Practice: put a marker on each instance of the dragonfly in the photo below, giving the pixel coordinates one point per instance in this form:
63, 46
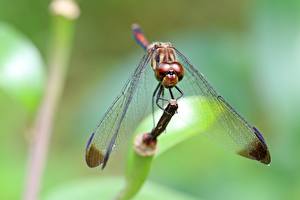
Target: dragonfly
164, 73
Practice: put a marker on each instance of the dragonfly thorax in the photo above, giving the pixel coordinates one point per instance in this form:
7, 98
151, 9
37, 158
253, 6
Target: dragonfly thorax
164, 64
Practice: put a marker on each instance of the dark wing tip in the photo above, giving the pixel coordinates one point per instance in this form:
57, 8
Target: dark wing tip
267, 159
257, 150
93, 156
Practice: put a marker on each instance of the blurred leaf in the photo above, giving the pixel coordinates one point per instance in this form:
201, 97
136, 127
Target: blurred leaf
21, 67
108, 188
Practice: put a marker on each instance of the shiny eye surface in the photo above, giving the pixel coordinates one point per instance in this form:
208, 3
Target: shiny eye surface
178, 68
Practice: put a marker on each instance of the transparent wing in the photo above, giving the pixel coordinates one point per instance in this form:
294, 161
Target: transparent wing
120, 120
230, 128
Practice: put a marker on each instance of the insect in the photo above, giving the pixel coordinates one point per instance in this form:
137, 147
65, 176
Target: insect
174, 78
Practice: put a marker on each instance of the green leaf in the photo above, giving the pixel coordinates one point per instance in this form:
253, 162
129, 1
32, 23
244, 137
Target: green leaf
194, 117
108, 188
22, 73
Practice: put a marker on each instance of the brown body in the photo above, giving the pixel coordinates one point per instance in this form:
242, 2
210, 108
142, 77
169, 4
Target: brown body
166, 68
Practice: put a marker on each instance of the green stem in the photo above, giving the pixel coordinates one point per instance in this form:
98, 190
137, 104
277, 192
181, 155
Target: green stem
60, 49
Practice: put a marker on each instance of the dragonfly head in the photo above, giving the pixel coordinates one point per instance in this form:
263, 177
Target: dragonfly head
169, 74
164, 64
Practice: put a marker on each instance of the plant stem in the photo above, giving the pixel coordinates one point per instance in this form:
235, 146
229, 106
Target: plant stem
63, 31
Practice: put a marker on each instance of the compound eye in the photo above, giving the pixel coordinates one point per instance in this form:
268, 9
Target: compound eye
178, 68
162, 70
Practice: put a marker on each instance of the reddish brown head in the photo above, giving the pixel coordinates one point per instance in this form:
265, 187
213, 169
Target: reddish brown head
165, 66
169, 73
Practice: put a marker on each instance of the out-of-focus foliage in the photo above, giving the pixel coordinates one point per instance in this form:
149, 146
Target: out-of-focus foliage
22, 79
89, 189
21, 67
249, 50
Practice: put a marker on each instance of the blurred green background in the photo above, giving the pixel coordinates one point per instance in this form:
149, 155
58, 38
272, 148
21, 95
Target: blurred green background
249, 50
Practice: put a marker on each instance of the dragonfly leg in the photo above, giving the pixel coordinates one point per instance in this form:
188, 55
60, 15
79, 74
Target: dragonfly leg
180, 91
171, 93
162, 97
158, 97
153, 98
